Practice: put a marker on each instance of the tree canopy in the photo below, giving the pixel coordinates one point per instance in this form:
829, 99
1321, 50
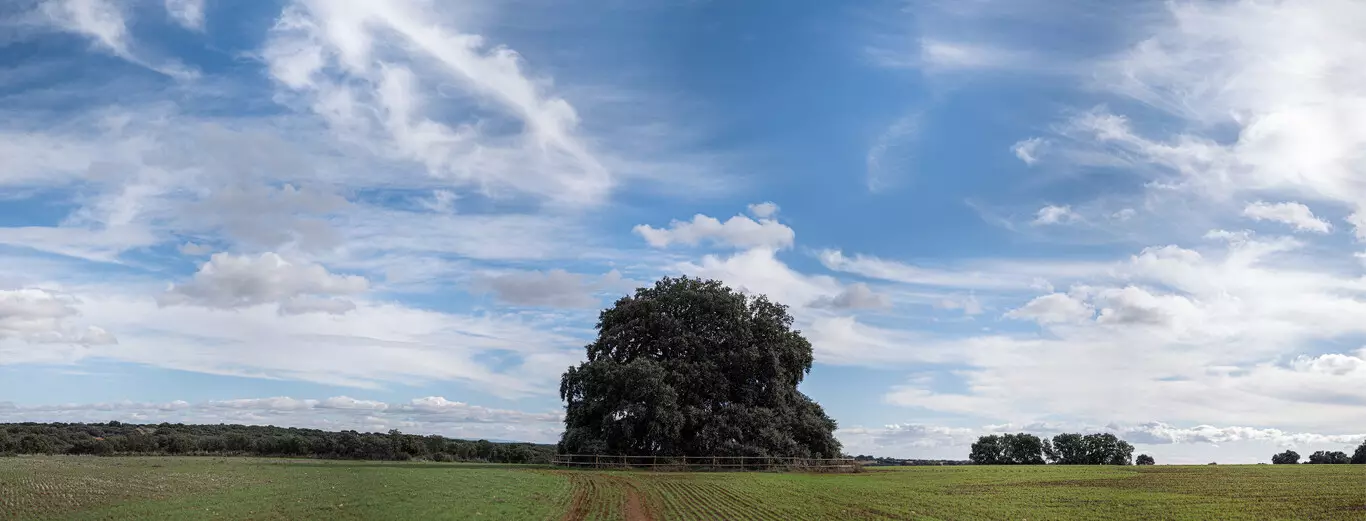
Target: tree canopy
1064, 449
1288, 457
1335, 457
1359, 457
690, 367
1091, 449
1144, 459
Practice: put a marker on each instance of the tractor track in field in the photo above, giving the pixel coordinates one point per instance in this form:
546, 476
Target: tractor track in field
592, 494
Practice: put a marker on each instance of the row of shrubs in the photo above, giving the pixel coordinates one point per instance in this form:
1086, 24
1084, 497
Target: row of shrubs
250, 440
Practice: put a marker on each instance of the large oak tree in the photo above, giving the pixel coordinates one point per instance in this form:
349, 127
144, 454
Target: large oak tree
690, 367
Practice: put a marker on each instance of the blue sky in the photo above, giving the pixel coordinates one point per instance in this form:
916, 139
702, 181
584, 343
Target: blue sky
987, 216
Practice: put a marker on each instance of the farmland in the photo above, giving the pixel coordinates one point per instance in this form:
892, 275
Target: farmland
247, 488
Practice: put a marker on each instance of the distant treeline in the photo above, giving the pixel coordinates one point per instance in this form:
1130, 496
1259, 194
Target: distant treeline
1323, 457
873, 461
115, 438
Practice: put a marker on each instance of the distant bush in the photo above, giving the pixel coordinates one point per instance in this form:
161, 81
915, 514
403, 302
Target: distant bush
1359, 456
1144, 459
1288, 457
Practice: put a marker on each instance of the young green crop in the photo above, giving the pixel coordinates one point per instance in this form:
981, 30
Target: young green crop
245, 488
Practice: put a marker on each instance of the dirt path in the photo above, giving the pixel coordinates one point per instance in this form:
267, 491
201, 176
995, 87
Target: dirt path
635, 506
580, 504
591, 492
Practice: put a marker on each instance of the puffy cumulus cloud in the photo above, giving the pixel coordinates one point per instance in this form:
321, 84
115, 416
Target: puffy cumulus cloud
737, 232
429, 415
42, 316
553, 288
229, 281
338, 59
1333, 364
1294, 214
759, 271
854, 296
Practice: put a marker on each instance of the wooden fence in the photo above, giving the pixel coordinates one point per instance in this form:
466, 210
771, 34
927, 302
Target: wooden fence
706, 463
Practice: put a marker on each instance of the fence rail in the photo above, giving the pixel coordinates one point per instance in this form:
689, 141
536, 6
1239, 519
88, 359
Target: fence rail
706, 463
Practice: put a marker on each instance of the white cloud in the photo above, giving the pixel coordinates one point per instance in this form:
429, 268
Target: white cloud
228, 282
373, 345
1292, 213
194, 249
764, 210
1278, 77
1029, 150
759, 271
969, 274
429, 415
104, 22
892, 153
738, 232
188, 13
334, 58
1170, 444
854, 296
554, 288
1052, 214
1054, 308
969, 304
944, 55
42, 316
1210, 328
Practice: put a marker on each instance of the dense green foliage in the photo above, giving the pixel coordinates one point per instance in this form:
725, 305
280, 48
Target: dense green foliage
1144, 459
250, 440
1288, 457
1359, 457
692, 368
1064, 449
1335, 457
145, 488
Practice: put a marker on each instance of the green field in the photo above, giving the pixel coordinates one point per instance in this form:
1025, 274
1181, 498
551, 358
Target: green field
242, 488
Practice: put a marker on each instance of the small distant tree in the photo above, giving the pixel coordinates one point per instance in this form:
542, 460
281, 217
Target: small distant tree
1359, 457
1288, 457
1329, 457
1144, 459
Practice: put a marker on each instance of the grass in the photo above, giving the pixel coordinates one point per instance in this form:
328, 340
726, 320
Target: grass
241, 488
